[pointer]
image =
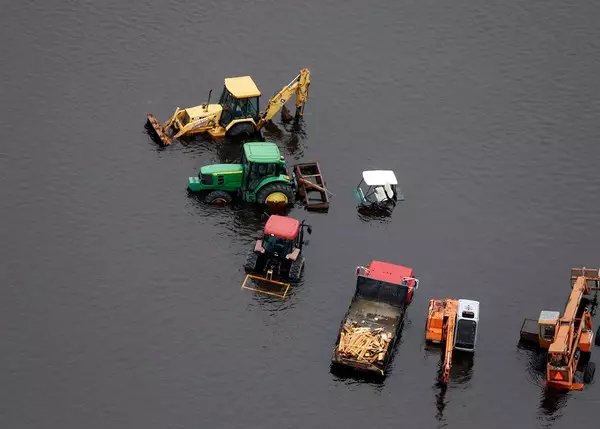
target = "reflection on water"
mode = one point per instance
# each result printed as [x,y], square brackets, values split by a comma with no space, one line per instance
[290,137]
[374,216]
[274,304]
[552,401]
[229,152]
[350,377]
[243,221]
[460,374]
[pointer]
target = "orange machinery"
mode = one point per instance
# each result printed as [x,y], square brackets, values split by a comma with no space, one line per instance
[568,339]
[454,322]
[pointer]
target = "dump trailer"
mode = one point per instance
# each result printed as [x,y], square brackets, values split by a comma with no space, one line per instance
[371,327]
[568,339]
[454,323]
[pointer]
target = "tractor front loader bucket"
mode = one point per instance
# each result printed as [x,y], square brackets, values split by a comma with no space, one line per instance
[270,286]
[158,129]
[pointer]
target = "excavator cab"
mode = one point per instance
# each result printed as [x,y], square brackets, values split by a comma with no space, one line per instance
[454,322]
[467,325]
[547,327]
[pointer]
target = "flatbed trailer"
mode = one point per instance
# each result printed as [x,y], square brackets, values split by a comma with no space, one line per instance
[371,327]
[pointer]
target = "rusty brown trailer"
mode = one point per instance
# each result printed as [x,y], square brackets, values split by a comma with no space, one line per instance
[312,186]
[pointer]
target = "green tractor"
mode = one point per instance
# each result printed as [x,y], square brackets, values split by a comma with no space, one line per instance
[262,177]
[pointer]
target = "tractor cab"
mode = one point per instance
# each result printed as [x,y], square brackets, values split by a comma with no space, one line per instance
[283,237]
[277,259]
[378,189]
[265,178]
[239,100]
[467,325]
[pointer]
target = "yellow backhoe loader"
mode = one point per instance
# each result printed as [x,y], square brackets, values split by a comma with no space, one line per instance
[237,114]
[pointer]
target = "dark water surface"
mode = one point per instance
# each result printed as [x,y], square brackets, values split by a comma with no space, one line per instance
[122,305]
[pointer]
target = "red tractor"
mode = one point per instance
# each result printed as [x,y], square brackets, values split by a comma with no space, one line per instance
[278,256]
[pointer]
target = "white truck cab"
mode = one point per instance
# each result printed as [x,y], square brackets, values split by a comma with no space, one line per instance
[467,325]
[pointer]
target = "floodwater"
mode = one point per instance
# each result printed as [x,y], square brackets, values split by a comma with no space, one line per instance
[121,304]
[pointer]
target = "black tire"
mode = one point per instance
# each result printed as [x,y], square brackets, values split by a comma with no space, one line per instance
[588,372]
[251,260]
[243,129]
[282,187]
[597,340]
[296,269]
[218,198]
[583,360]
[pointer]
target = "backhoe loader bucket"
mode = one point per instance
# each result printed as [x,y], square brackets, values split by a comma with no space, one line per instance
[266,285]
[158,129]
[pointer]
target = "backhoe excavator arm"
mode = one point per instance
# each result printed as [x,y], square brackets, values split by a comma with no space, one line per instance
[561,353]
[441,323]
[298,86]
[451,310]
[564,338]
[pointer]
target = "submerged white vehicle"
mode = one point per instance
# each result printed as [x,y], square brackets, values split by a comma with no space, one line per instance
[378,189]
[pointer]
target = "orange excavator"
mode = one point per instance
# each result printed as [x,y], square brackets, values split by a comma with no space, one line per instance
[568,339]
[454,322]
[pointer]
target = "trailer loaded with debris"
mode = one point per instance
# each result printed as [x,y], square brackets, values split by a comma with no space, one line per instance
[372,324]
[363,344]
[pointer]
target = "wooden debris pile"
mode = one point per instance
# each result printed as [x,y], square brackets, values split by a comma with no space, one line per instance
[364,344]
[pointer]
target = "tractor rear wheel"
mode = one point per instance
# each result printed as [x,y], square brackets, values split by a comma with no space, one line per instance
[277,194]
[218,198]
[296,269]
[251,260]
[588,372]
[243,129]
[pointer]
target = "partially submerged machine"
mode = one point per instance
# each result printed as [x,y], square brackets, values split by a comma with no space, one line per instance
[378,190]
[371,327]
[454,322]
[237,113]
[262,177]
[277,259]
[568,339]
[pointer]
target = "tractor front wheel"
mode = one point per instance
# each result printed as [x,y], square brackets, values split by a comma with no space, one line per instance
[243,129]
[296,269]
[218,198]
[588,373]
[276,194]
[251,260]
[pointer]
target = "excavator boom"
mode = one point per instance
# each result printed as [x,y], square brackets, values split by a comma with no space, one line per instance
[451,309]
[574,325]
[441,324]
[298,86]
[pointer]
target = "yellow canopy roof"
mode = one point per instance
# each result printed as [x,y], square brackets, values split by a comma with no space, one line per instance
[242,87]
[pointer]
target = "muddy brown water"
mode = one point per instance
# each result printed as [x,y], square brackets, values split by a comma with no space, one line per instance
[121,304]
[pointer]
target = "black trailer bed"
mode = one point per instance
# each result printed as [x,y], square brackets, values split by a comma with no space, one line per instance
[529,331]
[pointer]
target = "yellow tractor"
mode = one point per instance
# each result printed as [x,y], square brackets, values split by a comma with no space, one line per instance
[237,114]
